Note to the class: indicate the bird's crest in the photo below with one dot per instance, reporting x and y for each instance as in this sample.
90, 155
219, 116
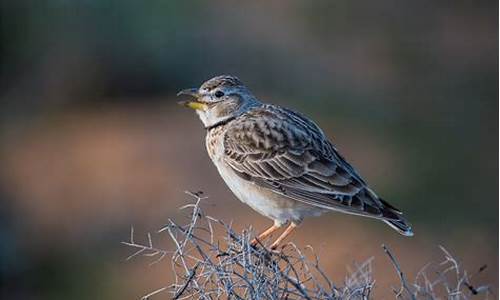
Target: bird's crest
221, 81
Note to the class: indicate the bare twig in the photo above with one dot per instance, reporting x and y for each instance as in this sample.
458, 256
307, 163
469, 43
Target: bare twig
402, 277
206, 267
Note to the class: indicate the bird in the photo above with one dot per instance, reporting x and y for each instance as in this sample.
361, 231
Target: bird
279, 162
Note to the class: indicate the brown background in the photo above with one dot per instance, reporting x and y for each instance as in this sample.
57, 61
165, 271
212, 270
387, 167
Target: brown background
91, 141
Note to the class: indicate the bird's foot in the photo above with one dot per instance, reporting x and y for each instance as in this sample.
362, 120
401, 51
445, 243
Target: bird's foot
274, 246
254, 242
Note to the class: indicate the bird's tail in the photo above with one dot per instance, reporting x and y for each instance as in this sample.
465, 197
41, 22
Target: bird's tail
401, 226
393, 217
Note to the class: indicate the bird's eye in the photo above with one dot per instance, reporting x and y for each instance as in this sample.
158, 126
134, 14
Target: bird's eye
219, 94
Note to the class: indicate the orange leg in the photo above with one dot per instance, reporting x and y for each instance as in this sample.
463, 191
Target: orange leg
285, 233
264, 234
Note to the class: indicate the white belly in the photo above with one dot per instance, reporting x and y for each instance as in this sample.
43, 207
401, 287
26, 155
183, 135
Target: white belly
279, 208
272, 205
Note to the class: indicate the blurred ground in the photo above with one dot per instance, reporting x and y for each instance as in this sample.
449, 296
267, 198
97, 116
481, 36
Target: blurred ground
91, 140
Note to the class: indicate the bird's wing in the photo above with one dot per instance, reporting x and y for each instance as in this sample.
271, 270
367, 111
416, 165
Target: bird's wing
283, 151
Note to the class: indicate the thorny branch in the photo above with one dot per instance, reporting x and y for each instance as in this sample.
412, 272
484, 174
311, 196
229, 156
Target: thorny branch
205, 267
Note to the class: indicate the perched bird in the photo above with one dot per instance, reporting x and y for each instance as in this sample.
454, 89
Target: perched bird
279, 162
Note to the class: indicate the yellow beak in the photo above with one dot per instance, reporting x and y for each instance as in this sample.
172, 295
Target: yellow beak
192, 104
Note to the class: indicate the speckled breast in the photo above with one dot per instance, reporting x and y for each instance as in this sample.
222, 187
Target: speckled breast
214, 142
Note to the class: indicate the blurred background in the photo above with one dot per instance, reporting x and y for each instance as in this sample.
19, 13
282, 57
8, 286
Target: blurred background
92, 141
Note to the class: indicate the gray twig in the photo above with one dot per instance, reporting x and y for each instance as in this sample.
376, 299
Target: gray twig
207, 267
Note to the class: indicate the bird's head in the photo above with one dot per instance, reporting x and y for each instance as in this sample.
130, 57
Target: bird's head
219, 99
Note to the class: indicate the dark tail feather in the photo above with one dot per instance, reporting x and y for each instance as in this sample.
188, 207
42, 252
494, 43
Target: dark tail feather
393, 217
390, 207
401, 226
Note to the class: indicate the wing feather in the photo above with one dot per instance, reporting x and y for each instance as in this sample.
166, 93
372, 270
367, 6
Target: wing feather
283, 151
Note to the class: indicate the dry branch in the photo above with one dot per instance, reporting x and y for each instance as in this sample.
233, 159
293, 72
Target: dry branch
208, 267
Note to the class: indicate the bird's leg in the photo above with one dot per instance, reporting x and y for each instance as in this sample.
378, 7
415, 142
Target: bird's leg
264, 234
285, 233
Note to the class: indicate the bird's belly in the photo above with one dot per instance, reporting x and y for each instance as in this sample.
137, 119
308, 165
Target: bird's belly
270, 204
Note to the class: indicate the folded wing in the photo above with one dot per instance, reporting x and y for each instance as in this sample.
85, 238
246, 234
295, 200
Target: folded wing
283, 151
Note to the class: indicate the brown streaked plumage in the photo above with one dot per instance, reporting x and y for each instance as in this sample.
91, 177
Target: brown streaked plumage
279, 162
